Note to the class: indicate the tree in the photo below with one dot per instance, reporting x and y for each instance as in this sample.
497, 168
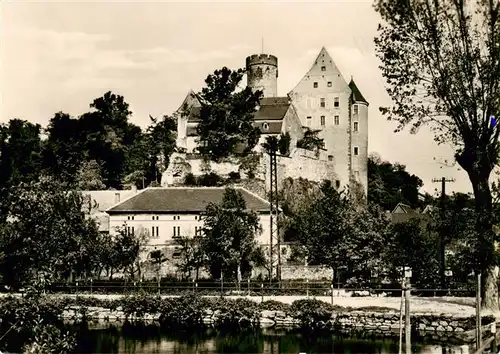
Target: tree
157, 258
409, 244
20, 151
311, 141
106, 136
63, 151
89, 176
390, 184
126, 249
284, 144
192, 257
226, 115
46, 231
334, 232
230, 232
441, 63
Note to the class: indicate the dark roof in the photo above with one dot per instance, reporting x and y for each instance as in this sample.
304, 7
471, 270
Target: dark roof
194, 114
272, 127
271, 108
185, 199
358, 97
403, 209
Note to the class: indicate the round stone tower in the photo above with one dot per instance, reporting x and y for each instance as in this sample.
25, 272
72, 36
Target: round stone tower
262, 73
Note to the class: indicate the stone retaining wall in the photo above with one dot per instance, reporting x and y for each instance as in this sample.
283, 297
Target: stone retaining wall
450, 327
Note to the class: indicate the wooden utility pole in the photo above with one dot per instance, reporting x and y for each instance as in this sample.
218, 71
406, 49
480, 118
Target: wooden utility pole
442, 257
407, 317
478, 312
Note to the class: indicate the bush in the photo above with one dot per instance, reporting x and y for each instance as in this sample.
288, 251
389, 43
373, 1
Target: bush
312, 313
242, 312
182, 311
273, 305
34, 322
139, 305
190, 180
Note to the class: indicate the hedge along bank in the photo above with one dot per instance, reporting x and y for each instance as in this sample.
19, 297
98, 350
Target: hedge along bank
309, 314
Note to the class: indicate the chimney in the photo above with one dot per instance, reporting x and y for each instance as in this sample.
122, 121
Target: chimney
117, 197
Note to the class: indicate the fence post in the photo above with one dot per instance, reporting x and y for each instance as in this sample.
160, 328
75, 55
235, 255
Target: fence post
307, 288
193, 285
76, 289
249, 287
262, 292
493, 329
196, 287
159, 287
90, 286
331, 286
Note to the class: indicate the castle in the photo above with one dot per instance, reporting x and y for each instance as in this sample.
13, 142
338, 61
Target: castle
322, 100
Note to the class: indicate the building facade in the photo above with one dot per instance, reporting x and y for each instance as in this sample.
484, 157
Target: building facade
322, 100
164, 214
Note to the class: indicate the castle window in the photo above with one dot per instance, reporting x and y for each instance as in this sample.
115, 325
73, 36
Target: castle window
330, 157
355, 108
322, 102
322, 121
309, 119
329, 84
323, 68
337, 184
155, 232
336, 120
356, 126
128, 217
356, 151
315, 85
265, 126
196, 217
336, 102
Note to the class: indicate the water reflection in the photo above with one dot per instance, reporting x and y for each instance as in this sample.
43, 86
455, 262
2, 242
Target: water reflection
141, 339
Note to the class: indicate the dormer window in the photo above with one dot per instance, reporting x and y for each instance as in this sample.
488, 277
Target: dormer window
315, 85
323, 68
265, 126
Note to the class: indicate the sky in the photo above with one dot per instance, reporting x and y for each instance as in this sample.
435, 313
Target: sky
60, 56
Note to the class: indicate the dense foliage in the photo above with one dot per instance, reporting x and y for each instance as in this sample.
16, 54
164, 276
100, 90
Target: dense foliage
226, 116
230, 232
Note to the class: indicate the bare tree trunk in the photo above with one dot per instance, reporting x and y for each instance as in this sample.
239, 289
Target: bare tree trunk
486, 235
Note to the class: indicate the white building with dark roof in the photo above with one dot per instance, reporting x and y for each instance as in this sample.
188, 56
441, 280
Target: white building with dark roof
166, 213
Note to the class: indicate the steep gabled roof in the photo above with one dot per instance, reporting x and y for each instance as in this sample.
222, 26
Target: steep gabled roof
191, 100
358, 97
331, 71
183, 200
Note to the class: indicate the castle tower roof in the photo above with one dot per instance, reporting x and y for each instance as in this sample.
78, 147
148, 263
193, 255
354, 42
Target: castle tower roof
358, 97
324, 66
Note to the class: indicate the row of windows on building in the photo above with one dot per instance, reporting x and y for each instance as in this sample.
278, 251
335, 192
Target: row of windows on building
336, 103
155, 231
336, 121
156, 217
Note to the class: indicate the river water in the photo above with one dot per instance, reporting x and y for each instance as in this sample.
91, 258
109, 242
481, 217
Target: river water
134, 339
